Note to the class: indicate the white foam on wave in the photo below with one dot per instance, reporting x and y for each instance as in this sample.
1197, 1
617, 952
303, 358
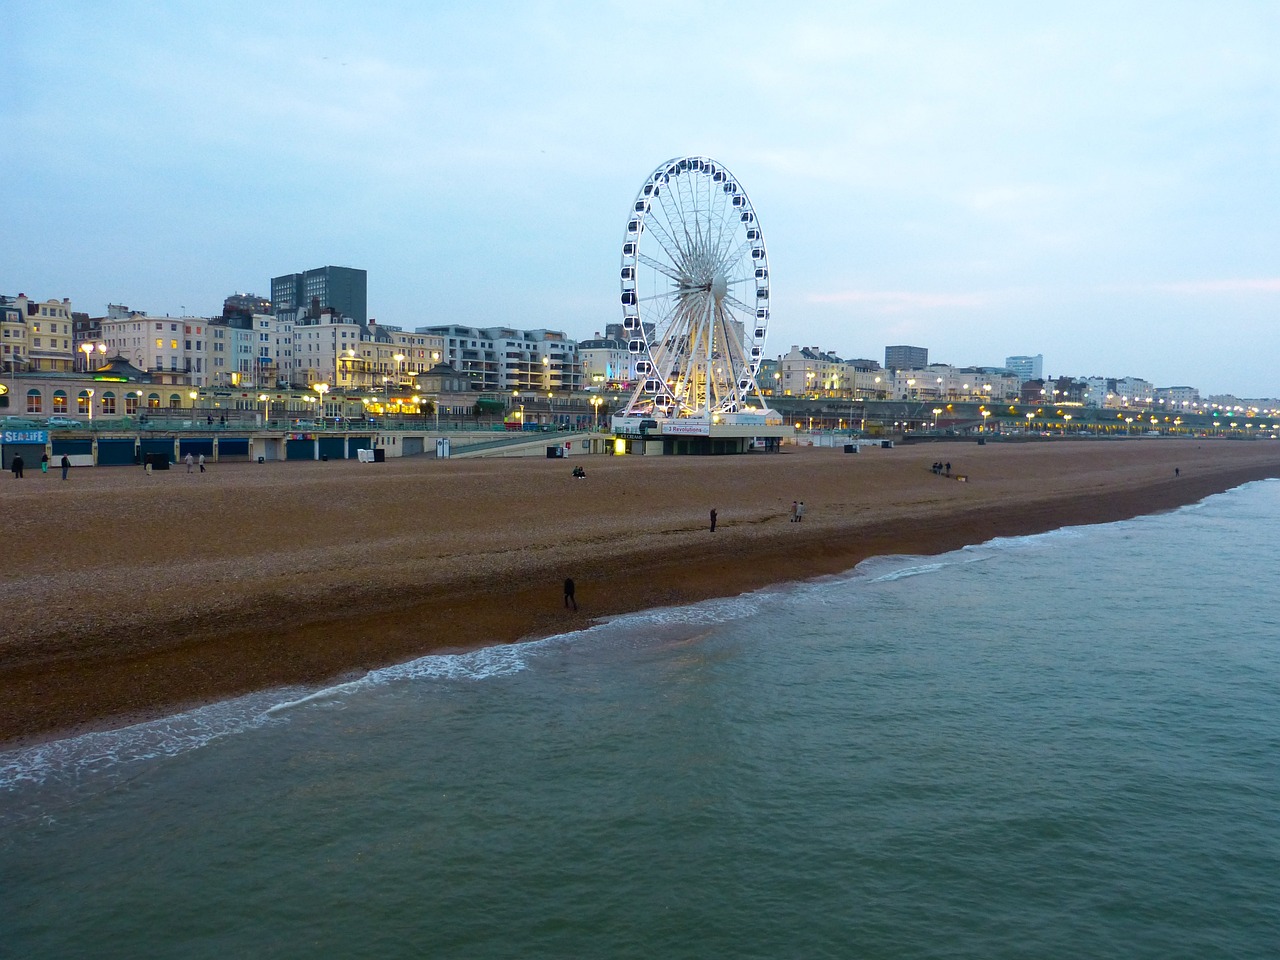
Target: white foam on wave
76, 758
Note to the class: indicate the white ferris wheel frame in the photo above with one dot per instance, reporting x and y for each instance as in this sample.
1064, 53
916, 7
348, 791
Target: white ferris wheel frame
695, 292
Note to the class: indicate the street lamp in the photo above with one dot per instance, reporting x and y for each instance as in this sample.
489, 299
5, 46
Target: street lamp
266, 407
90, 405
595, 404
193, 395
88, 353
399, 359
936, 411
985, 414
321, 389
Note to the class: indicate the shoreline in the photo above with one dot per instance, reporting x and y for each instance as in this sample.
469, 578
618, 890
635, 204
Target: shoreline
291, 596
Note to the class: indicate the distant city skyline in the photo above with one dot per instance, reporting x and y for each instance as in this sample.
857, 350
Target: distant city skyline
1091, 183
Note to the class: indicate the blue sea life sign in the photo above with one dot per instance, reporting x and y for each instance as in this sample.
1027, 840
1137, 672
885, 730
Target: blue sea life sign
24, 436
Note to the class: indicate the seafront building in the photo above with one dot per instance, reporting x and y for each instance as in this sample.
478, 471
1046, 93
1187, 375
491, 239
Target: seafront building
35, 335
903, 357
504, 359
1026, 368
344, 290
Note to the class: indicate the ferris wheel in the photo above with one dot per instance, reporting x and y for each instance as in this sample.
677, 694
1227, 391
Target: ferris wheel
695, 292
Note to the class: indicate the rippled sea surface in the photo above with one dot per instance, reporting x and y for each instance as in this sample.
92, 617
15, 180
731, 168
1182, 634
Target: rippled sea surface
1058, 746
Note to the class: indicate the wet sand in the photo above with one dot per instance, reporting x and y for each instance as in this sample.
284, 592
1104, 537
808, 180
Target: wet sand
128, 596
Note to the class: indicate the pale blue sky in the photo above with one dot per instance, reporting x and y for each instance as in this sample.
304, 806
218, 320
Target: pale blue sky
1097, 182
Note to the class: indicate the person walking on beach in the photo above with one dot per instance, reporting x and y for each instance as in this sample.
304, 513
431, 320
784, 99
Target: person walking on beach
800, 511
1177, 471
569, 599
795, 512
44, 463
713, 519
16, 466
202, 463
189, 460
66, 465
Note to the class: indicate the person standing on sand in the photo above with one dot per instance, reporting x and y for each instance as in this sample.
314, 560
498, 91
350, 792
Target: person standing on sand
800, 511
568, 593
16, 466
713, 519
795, 515
202, 463
44, 463
189, 461
66, 465
1177, 471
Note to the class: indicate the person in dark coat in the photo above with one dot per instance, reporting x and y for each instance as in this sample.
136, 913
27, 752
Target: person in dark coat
569, 598
16, 466
713, 520
66, 465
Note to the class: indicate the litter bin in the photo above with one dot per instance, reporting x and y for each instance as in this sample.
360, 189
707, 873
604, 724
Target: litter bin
324, 457
379, 455
850, 448
554, 453
158, 461
982, 441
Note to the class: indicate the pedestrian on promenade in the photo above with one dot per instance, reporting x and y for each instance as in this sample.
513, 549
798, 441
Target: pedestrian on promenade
16, 466
190, 460
713, 520
66, 465
569, 598
44, 463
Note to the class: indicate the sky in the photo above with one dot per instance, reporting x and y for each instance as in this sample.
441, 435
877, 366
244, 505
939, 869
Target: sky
1095, 182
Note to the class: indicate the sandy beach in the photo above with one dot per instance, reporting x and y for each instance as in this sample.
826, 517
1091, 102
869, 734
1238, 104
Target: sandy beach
129, 596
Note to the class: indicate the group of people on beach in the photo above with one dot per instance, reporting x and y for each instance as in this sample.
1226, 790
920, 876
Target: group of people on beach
17, 465
797, 511
939, 467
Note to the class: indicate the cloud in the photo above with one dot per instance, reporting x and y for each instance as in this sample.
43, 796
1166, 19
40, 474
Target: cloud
898, 301
1262, 285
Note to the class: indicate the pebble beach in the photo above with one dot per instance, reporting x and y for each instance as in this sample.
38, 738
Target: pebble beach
129, 596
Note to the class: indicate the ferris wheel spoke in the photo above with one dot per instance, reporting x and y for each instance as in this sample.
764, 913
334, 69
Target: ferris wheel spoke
663, 268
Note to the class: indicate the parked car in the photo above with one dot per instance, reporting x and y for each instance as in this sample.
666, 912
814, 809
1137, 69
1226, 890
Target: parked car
19, 423
62, 422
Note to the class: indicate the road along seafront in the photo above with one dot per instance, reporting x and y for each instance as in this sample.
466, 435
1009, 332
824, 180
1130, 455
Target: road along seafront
131, 596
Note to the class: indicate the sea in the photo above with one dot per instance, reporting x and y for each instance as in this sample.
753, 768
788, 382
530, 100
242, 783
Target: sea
1065, 745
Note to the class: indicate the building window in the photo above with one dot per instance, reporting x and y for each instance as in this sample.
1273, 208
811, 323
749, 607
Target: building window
82, 402
130, 404
109, 403
153, 399
35, 402
59, 401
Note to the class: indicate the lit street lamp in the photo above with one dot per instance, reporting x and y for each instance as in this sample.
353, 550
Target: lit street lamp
266, 407
321, 389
